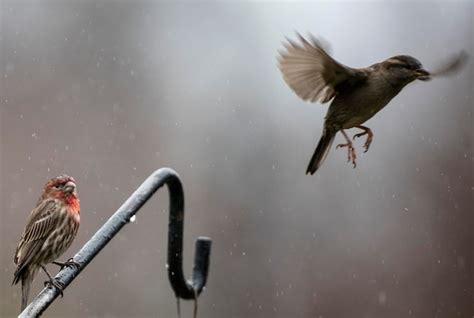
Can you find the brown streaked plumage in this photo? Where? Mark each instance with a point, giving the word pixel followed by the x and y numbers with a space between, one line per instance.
pixel 356 94
pixel 50 230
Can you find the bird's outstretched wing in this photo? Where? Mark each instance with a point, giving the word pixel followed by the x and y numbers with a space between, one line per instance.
pixel 312 74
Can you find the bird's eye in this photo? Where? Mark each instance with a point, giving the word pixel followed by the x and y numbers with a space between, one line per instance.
pixel 404 66
pixel 399 65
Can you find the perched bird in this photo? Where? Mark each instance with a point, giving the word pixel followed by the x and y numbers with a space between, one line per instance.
pixel 356 94
pixel 50 230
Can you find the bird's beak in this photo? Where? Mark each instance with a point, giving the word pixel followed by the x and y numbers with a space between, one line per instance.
pixel 70 187
pixel 422 75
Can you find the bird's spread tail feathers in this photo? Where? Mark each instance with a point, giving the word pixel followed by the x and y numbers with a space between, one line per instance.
pixel 321 151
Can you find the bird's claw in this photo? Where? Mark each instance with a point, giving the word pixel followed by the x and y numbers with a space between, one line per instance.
pixel 54 282
pixel 69 263
pixel 368 141
pixel 351 154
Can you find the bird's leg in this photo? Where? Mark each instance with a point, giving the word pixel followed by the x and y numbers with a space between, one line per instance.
pixel 351 154
pixel 52 281
pixel 370 136
pixel 69 263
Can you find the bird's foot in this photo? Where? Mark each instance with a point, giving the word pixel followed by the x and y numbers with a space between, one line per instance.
pixel 351 154
pixel 370 136
pixel 69 263
pixel 54 282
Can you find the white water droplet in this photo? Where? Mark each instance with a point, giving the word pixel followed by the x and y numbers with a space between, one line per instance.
pixel 133 218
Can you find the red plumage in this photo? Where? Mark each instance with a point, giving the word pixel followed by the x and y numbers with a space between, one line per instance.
pixel 50 230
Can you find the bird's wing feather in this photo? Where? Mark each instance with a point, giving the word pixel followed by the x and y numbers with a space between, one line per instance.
pixel 452 65
pixel 312 74
pixel 39 226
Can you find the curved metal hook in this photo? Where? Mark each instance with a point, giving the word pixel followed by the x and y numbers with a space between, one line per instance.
pixel 182 288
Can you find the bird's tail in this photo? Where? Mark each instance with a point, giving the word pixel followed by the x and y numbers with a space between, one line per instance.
pixel 321 151
pixel 25 290
pixel 26 277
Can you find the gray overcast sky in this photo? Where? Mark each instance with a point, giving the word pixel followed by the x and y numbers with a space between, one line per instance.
pixel 110 91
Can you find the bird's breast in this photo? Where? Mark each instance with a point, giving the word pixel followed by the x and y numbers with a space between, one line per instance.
pixel 353 108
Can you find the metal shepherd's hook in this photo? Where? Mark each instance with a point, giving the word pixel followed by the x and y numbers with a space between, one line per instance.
pixel 182 288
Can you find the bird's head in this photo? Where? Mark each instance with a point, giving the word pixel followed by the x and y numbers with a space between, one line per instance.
pixel 62 187
pixel 404 69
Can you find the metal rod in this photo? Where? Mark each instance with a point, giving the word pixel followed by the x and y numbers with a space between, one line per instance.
pixel 182 288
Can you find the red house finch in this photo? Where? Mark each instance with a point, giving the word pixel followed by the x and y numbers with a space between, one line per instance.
pixel 49 232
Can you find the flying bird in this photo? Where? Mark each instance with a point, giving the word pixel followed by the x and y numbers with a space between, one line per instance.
pixel 50 230
pixel 357 94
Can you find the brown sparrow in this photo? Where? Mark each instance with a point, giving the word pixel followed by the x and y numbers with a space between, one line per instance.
pixel 356 94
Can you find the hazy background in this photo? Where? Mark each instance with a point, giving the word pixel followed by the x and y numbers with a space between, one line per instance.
pixel 110 91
